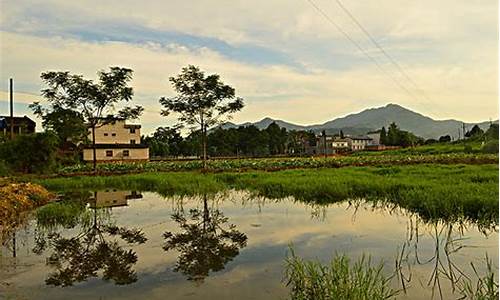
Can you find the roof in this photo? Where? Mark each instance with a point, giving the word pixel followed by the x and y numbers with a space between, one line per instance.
pixel 17 120
pixel 116 146
pixel 360 138
pixel 136 126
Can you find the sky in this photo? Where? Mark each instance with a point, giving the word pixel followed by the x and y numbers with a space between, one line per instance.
pixel 283 57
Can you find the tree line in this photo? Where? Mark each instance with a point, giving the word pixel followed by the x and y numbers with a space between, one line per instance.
pixel 243 141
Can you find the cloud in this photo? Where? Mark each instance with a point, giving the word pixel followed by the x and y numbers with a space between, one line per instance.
pixel 284 59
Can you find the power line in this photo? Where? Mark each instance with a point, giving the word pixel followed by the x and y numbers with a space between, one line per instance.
pixel 372 59
pixel 389 57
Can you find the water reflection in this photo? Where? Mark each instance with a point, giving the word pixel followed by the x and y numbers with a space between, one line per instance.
pixel 205 243
pixel 445 276
pixel 90 236
pixel 93 249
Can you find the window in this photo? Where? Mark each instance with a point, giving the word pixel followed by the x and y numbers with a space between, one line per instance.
pixel 109 152
pixel 105 134
pixel 126 153
pixel 132 142
pixel 132 130
pixel 113 134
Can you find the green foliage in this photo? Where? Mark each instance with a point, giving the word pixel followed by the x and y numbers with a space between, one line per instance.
pixel 75 98
pixel 492 132
pixel 67 124
pixel 397 157
pixel 165 141
pixel 201 100
pixel 445 139
pixel 490 147
pixel 446 192
pixel 474 132
pixel 398 137
pixel 486 287
pixel 340 279
pixel 34 153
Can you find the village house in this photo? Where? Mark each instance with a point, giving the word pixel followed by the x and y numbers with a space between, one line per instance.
pixel 116 141
pixel 335 144
pixel 22 125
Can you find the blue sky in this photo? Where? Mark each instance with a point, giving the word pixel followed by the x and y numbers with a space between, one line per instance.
pixel 282 57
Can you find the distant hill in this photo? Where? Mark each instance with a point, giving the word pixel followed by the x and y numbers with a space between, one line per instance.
pixel 375 118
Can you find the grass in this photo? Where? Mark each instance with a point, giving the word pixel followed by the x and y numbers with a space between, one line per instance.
pixel 433 149
pixel 340 279
pixel 435 192
pixel 486 287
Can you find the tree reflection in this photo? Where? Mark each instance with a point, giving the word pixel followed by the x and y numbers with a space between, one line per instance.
pixel 94 250
pixel 206 242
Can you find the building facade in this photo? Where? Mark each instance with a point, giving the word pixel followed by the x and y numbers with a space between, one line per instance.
pixel 334 144
pixel 22 125
pixel 116 141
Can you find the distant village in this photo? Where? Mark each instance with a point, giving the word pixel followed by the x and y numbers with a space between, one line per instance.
pixel 119 141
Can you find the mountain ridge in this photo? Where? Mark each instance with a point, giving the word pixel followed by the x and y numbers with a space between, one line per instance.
pixel 375 118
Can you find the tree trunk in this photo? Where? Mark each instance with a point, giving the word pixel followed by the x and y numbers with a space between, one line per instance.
pixel 205 147
pixel 94 158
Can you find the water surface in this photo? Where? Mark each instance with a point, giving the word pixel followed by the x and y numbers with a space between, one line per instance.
pixel 231 246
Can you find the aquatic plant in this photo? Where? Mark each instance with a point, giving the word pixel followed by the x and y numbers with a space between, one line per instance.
pixel 435 192
pixel 339 279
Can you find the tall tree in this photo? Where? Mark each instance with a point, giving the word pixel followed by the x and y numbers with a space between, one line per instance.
pixel 201 100
pixel 95 101
pixel 67 124
pixel 383 136
pixel 474 132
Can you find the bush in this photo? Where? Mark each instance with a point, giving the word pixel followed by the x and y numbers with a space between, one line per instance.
pixel 490 147
pixel 33 153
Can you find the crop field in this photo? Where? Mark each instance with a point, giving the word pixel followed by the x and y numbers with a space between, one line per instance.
pixel 273 164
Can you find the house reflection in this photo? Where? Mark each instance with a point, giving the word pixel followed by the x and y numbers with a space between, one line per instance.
pixel 112 198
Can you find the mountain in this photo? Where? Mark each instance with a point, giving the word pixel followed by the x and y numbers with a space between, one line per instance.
pixel 375 118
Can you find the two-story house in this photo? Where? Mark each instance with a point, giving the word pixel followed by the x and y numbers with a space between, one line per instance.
pixel 116 141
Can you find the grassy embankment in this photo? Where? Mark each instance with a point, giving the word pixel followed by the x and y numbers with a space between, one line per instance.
pixel 445 192
pixel 274 164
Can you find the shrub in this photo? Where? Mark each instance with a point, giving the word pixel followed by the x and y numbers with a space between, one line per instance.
pixel 490 147
pixel 33 153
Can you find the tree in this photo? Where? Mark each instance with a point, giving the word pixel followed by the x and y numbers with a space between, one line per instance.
pixel 445 139
pixel 341 134
pixel 165 141
pixel 474 132
pixel 67 124
pixel 393 135
pixel 383 136
pixel 492 132
pixel 31 153
pixel 201 100
pixel 95 101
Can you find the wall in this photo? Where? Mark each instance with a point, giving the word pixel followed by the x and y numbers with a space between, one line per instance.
pixel 123 135
pixel 134 154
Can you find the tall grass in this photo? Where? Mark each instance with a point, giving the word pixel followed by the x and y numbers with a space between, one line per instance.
pixel 340 279
pixel 486 287
pixel 447 192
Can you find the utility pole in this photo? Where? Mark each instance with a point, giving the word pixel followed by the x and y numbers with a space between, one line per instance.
pixel 11 98
pixel 324 142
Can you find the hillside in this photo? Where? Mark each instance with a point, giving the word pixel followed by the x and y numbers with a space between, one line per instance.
pixel 375 118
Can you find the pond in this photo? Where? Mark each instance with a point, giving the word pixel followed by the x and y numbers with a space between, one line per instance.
pixel 140 245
